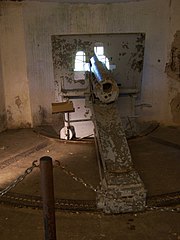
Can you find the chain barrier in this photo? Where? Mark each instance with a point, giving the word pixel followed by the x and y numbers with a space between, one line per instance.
pixel 163 209
pixel 19 179
pixel 74 177
pixel 57 164
pixel 77 179
pixel 80 180
pixel 97 190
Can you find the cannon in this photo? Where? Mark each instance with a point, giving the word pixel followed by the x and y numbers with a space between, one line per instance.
pixel 105 87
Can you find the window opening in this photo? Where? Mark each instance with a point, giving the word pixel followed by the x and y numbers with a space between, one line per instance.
pixel 80 62
pixel 99 51
pixel 80 66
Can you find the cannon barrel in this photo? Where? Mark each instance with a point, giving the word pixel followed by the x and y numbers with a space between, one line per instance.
pixel 104 86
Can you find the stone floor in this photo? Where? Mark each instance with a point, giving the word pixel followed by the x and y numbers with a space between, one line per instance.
pixel 156 157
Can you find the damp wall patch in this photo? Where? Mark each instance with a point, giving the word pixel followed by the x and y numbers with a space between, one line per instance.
pixel 173 67
pixel 175 108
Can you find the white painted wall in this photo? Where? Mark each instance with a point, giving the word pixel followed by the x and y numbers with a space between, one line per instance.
pixel 41 20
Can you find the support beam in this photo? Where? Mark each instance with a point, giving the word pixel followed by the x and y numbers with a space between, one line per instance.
pixel 123 190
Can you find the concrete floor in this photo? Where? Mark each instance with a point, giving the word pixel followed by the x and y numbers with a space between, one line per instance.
pixel 156 157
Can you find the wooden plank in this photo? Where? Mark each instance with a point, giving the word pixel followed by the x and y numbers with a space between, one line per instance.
pixel 62 107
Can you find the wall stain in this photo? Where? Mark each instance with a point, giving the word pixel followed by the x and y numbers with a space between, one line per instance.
pixel 25 125
pixel 9 114
pixel 125 45
pixel 42 114
pixel 175 108
pixel 170 3
pixel 82 82
pixel 136 59
pixel 3 121
pixel 18 102
pixel 173 66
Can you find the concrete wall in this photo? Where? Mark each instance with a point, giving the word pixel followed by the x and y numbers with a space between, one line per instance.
pixel 3 119
pixel 14 68
pixel 34 53
pixel 3 116
pixel 44 20
pixel 174 77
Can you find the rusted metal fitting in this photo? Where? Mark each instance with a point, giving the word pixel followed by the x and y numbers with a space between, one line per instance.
pixel 47 190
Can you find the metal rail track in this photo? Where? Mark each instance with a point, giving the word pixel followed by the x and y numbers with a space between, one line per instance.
pixel 164 200
pixel 16 158
pixel 35 202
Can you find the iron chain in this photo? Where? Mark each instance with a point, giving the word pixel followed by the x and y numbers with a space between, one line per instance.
pixel 75 178
pixel 19 179
pixel 80 180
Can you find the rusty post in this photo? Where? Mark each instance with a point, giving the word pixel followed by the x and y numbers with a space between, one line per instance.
pixel 47 190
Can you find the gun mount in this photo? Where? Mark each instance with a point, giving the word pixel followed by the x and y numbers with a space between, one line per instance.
pixel 122 189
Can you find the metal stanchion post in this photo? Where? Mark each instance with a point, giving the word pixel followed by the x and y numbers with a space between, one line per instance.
pixel 47 190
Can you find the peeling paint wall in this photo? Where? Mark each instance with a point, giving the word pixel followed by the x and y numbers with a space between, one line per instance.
pixel 173 64
pixel 175 108
pixel 14 70
pixel 124 51
pixel 28 66
pixel 173 67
